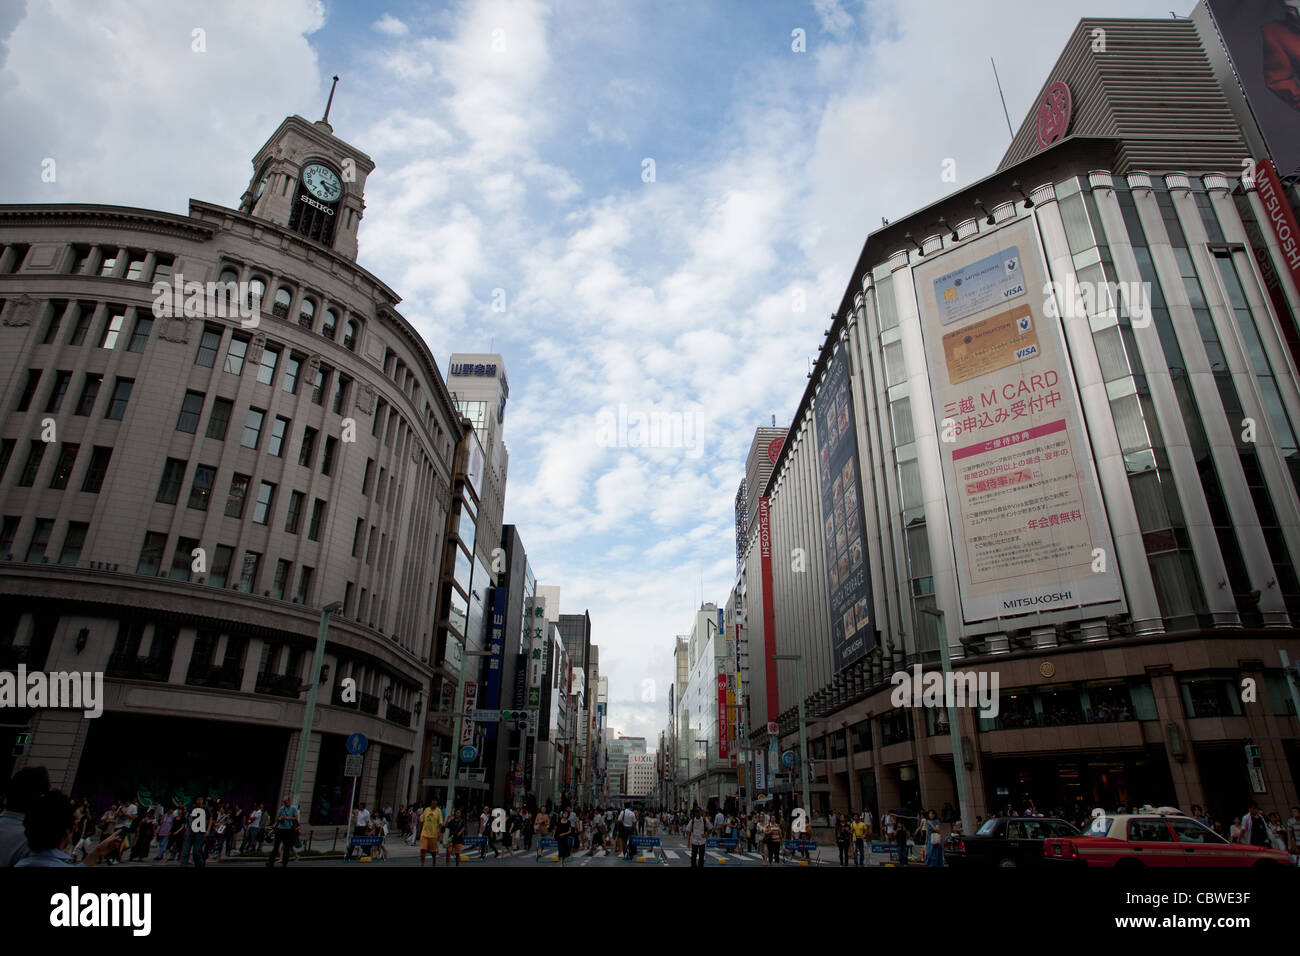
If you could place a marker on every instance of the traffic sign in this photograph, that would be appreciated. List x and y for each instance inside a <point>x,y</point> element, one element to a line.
<point>352,765</point>
<point>357,744</point>
<point>487,716</point>
<point>789,759</point>
<point>468,754</point>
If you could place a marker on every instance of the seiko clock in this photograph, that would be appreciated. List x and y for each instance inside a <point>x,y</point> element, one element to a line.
<point>322,183</point>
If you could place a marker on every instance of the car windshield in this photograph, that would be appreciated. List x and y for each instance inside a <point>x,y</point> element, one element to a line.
<point>988,828</point>
<point>1100,826</point>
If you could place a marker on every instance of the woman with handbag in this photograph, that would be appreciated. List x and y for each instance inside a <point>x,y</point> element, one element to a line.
<point>933,840</point>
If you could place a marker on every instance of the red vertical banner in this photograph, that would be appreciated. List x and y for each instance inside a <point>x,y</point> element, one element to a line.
<point>723,752</point>
<point>1283,222</point>
<point>769,612</point>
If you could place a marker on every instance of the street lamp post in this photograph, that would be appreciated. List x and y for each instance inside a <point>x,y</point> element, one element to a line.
<point>803,730</point>
<point>466,654</point>
<point>309,712</point>
<point>954,734</point>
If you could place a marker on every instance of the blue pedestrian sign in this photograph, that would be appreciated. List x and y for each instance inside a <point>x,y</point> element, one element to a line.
<point>468,753</point>
<point>357,744</point>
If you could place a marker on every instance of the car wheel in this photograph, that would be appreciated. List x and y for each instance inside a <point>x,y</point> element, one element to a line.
<point>1008,862</point>
<point>1130,864</point>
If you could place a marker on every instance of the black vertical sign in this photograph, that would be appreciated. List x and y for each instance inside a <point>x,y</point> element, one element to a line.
<point>853,632</point>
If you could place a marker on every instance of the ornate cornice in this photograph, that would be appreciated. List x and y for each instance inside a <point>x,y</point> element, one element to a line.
<point>80,214</point>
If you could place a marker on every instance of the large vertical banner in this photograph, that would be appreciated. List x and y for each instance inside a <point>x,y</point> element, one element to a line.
<point>722,717</point>
<point>497,639</point>
<point>769,609</point>
<point>853,633</point>
<point>1263,40</point>
<point>1023,502</point>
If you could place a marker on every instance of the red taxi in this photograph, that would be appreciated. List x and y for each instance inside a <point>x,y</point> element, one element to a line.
<point>1130,840</point>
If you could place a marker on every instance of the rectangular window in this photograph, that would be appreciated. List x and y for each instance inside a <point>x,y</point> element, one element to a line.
<point>319,384</point>
<point>35,453</point>
<point>262,510</point>
<point>308,448</point>
<point>356,535</point>
<point>80,259</point>
<point>317,519</point>
<point>40,538</point>
<point>248,571</point>
<point>140,334</point>
<point>235,353</point>
<point>221,558</point>
<point>73,542</point>
<point>304,585</point>
<point>6,452</point>
<point>327,459</point>
<point>278,431</point>
<point>219,420</point>
<point>182,559</point>
<point>55,401</point>
<point>57,309</point>
<point>108,264</point>
<point>209,346</point>
<point>151,554</point>
<point>85,313</point>
<point>29,390</point>
<point>169,487</point>
<point>89,392</point>
<point>292,369</point>
<point>365,478</point>
<point>191,410</point>
<point>282,568</point>
<point>162,268</point>
<point>121,395</point>
<point>341,383</point>
<point>135,265</point>
<point>253,428</point>
<point>112,329</point>
<point>201,489</point>
<point>97,469</point>
<point>238,495</point>
<point>266,370</point>
<point>63,468</point>
<point>295,512</point>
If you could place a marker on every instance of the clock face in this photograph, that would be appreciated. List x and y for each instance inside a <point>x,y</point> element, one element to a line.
<point>322,183</point>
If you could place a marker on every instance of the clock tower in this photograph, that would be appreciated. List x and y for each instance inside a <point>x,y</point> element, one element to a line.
<point>309,180</point>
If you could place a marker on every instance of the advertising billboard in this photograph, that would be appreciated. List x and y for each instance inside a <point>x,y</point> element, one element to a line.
<point>1263,40</point>
<point>769,608</point>
<point>722,717</point>
<point>853,631</point>
<point>1023,502</point>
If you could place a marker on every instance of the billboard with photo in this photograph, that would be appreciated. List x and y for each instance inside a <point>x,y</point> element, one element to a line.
<point>1023,503</point>
<point>1263,40</point>
<point>853,630</point>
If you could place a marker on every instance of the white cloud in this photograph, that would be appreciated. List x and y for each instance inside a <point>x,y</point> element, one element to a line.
<point>390,25</point>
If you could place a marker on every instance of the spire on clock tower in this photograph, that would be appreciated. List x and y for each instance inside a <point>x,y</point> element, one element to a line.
<point>307,179</point>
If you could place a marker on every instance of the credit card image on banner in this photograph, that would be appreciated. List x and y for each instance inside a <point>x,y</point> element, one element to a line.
<point>990,344</point>
<point>980,285</point>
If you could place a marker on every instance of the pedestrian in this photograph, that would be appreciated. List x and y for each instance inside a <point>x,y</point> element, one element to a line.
<point>1236,831</point>
<point>843,838</point>
<point>528,829</point>
<point>1255,828</point>
<point>455,836</point>
<point>890,824</point>
<point>858,829</point>
<point>697,835</point>
<point>542,822</point>
<point>196,826</point>
<point>48,822</point>
<point>430,830</point>
<point>360,827</point>
<point>628,819</point>
<point>286,832</point>
<point>933,841</point>
<point>901,834</point>
<point>563,833</point>
<point>772,840</point>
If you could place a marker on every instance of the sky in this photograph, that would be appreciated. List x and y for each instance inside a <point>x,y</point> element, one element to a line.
<point>667,198</point>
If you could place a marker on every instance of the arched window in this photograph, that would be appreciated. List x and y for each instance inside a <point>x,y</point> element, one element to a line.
<point>281,305</point>
<point>228,287</point>
<point>350,335</point>
<point>307,314</point>
<point>331,323</point>
<point>256,292</point>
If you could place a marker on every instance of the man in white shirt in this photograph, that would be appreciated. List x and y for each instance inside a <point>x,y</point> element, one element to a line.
<point>889,824</point>
<point>360,826</point>
<point>697,834</point>
<point>628,821</point>
<point>253,829</point>
<point>719,824</point>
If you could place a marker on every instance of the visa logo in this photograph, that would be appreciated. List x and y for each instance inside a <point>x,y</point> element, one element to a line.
<point>1027,351</point>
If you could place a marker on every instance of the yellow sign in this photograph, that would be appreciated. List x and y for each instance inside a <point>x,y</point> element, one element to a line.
<point>990,344</point>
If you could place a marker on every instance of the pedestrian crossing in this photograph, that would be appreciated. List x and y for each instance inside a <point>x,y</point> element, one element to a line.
<point>715,855</point>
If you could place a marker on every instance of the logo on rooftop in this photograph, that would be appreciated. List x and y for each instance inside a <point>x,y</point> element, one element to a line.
<point>1053,115</point>
<point>774,449</point>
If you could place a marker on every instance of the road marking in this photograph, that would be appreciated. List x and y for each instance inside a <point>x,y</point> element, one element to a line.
<point>671,854</point>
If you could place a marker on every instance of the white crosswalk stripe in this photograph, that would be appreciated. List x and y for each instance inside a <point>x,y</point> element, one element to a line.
<point>670,854</point>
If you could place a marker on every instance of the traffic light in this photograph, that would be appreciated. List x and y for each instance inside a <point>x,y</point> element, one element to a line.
<point>22,743</point>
